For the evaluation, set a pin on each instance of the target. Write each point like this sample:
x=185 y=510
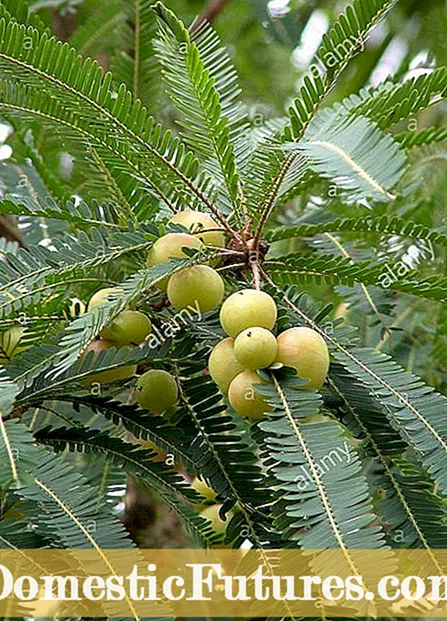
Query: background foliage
x=341 y=172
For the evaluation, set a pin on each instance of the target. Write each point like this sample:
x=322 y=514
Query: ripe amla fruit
x=201 y=225
x=170 y=246
x=247 y=308
x=243 y=397
x=223 y=365
x=106 y=377
x=306 y=351
x=9 y=342
x=255 y=348
x=100 y=297
x=156 y=390
x=128 y=327
x=199 y=287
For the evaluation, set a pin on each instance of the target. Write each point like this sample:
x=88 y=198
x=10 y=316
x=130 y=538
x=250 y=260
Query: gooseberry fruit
x=100 y=297
x=170 y=246
x=223 y=365
x=211 y=513
x=198 y=224
x=247 y=308
x=106 y=377
x=243 y=397
x=255 y=348
x=306 y=351
x=198 y=287
x=9 y=341
x=156 y=390
x=128 y=327
x=203 y=489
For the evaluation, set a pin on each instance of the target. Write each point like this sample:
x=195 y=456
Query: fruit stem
x=255 y=268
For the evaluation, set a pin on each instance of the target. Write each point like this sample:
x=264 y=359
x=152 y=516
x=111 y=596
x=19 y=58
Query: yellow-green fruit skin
x=198 y=224
x=198 y=287
x=156 y=390
x=203 y=489
x=243 y=397
x=100 y=297
x=170 y=246
x=128 y=327
x=10 y=341
x=306 y=351
x=247 y=308
x=255 y=348
x=211 y=513
x=107 y=377
x=223 y=365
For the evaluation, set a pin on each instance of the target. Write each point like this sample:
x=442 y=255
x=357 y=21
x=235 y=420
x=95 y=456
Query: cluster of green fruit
x=248 y=317
x=156 y=389
x=197 y=286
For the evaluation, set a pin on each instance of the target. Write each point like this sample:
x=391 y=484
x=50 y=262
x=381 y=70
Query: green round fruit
x=211 y=513
x=100 y=297
x=223 y=365
x=243 y=397
x=170 y=246
x=255 y=348
x=9 y=342
x=247 y=308
x=128 y=327
x=306 y=351
x=156 y=390
x=198 y=287
x=202 y=488
x=106 y=377
x=201 y=225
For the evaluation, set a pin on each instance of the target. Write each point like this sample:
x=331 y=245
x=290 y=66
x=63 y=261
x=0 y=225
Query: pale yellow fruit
x=223 y=365
x=106 y=377
x=100 y=297
x=255 y=348
x=247 y=308
x=202 y=488
x=128 y=327
x=243 y=397
x=198 y=287
x=156 y=390
x=306 y=351
x=9 y=342
x=211 y=513
x=201 y=225
x=170 y=246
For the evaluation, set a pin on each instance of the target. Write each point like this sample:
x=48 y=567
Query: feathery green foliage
x=324 y=206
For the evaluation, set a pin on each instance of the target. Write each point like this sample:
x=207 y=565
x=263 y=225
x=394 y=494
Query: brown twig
x=211 y=11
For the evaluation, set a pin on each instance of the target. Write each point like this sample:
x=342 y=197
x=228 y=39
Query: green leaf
x=414 y=409
x=135 y=63
x=416 y=515
x=46 y=80
x=332 y=269
x=134 y=459
x=203 y=87
x=390 y=103
x=69 y=507
x=354 y=154
x=391 y=225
